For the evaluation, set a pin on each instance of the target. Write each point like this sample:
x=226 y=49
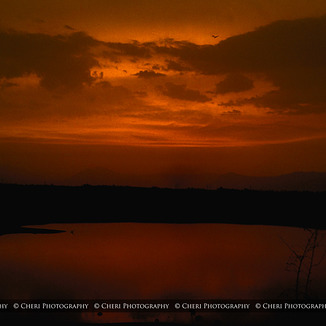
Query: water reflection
x=152 y=261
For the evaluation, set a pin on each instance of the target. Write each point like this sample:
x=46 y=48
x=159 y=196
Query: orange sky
x=120 y=75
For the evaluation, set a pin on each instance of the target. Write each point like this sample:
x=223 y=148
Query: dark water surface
x=154 y=261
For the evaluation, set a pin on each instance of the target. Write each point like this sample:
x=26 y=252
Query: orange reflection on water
x=149 y=261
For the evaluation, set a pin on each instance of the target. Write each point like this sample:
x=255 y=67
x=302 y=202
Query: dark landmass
x=24 y=205
x=21 y=229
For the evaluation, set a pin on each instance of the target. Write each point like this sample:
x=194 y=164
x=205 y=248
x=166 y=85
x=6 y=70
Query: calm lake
x=156 y=261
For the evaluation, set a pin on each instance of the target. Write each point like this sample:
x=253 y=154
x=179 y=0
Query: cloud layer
x=167 y=90
x=289 y=54
x=59 y=61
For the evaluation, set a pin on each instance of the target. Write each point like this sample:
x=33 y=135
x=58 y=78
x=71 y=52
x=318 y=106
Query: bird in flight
x=215 y=36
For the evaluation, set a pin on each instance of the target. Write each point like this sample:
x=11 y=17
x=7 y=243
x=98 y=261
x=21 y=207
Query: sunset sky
x=142 y=86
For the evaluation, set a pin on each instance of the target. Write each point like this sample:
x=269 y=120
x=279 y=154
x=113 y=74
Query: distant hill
x=95 y=176
x=297 y=181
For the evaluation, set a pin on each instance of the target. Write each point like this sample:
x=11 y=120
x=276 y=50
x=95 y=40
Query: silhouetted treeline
x=43 y=204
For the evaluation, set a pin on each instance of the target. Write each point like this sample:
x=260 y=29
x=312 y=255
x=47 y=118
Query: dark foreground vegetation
x=43 y=204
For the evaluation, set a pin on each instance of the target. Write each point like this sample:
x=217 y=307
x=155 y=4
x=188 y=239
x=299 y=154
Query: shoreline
x=48 y=204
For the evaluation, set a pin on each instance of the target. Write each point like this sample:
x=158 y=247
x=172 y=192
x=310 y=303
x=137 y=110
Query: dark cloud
x=284 y=101
x=148 y=74
x=184 y=50
x=176 y=66
x=290 y=54
x=232 y=113
x=135 y=50
x=301 y=90
x=156 y=67
x=234 y=83
x=69 y=27
x=181 y=92
x=59 y=61
x=279 y=45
